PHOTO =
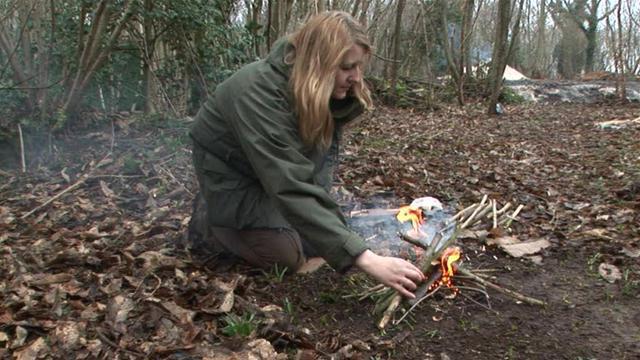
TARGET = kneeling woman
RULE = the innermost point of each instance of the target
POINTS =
(264, 147)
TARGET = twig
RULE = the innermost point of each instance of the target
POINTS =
(513, 216)
(417, 302)
(373, 212)
(110, 342)
(495, 215)
(505, 291)
(76, 185)
(487, 307)
(22, 159)
(462, 213)
(386, 316)
(113, 134)
(485, 211)
(475, 212)
(412, 240)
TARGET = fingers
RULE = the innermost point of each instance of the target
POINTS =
(404, 292)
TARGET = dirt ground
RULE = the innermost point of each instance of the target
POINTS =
(102, 271)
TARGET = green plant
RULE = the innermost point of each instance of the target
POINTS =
(288, 307)
(593, 261)
(276, 274)
(432, 333)
(241, 326)
(511, 353)
(630, 287)
(130, 165)
(509, 96)
(328, 297)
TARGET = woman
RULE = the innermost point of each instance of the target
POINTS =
(264, 146)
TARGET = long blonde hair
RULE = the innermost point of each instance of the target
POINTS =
(319, 48)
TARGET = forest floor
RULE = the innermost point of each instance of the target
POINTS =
(102, 271)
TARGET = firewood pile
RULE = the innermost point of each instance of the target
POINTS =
(438, 257)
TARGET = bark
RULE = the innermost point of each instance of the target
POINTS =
(538, 64)
(621, 87)
(148, 56)
(465, 39)
(500, 53)
(452, 63)
(94, 55)
(396, 50)
(363, 13)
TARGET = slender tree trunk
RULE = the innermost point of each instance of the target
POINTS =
(363, 13)
(621, 85)
(500, 54)
(538, 70)
(396, 50)
(93, 55)
(452, 63)
(148, 50)
(467, 29)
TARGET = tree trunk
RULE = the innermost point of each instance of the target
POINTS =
(465, 38)
(93, 55)
(396, 51)
(148, 47)
(621, 87)
(538, 70)
(500, 54)
(452, 63)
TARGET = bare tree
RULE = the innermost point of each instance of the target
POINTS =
(94, 53)
(396, 49)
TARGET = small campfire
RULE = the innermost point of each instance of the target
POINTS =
(447, 260)
(432, 234)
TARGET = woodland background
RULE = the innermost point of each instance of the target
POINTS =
(62, 59)
(97, 183)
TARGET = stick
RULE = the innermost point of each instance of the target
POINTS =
(22, 159)
(505, 291)
(373, 212)
(495, 215)
(416, 303)
(478, 217)
(412, 240)
(77, 184)
(386, 316)
(462, 212)
(509, 219)
(421, 291)
(476, 211)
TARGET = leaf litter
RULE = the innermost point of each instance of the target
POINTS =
(102, 270)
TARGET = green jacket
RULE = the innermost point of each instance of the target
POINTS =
(258, 173)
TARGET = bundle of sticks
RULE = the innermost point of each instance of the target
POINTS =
(388, 300)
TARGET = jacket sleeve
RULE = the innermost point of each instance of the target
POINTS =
(267, 131)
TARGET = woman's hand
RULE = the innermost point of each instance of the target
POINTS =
(391, 271)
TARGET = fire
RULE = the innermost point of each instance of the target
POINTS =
(449, 256)
(407, 213)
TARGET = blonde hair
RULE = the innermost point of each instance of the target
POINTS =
(319, 48)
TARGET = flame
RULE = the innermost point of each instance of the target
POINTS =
(407, 213)
(449, 256)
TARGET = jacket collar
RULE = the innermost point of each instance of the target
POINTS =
(276, 56)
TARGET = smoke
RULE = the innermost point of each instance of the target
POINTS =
(375, 220)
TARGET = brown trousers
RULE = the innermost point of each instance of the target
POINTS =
(262, 248)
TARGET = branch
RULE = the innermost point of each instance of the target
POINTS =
(514, 294)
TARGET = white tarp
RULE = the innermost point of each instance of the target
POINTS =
(512, 74)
